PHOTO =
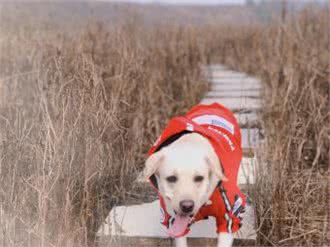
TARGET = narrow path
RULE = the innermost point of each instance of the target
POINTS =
(138, 225)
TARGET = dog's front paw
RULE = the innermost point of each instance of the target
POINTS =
(181, 242)
(225, 239)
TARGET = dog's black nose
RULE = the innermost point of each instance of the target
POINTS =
(187, 206)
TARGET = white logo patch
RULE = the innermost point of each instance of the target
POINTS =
(216, 121)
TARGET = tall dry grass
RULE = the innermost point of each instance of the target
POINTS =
(292, 194)
(78, 111)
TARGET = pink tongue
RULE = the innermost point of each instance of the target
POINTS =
(179, 226)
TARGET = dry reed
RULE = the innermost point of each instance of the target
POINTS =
(78, 111)
(292, 59)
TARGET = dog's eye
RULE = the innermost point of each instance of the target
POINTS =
(198, 178)
(172, 179)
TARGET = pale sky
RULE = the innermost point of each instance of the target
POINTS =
(184, 1)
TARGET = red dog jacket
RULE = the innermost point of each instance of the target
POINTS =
(219, 125)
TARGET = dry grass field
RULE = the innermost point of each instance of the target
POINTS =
(292, 192)
(78, 112)
(79, 109)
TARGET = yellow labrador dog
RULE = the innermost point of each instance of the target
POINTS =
(193, 166)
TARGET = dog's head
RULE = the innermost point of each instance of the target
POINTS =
(187, 172)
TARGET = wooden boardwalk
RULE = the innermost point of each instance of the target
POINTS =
(138, 225)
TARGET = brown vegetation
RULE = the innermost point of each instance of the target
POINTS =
(78, 111)
(292, 59)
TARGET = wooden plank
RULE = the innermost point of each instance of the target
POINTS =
(236, 86)
(235, 103)
(250, 138)
(235, 80)
(233, 94)
(143, 220)
(246, 173)
(247, 120)
(216, 73)
(109, 241)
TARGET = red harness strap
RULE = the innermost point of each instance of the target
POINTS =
(219, 125)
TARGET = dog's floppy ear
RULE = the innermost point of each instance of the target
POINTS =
(216, 174)
(152, 164)
(215, 167)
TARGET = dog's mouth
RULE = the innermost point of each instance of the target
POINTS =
(183, 214)
(179, 225)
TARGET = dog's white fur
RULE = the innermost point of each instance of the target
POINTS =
(190, 156)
